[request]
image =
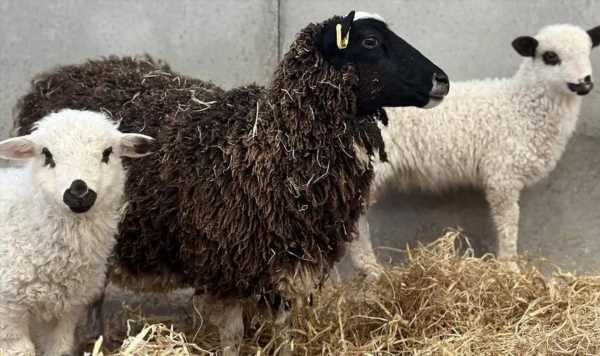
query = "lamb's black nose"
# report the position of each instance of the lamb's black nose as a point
(79, 197)
(78, 188)
(582, 88)
(441, 85)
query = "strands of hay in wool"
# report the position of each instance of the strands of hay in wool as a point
(442, 301)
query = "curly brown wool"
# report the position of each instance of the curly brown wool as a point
(248, 185)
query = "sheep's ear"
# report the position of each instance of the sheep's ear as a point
(335, 39)
(18, 148)
(525, 46)
(135, 145)
(595, 36)
(345, 30)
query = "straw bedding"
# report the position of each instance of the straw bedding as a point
(442, 301)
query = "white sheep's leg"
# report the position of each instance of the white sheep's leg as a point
(504, 204)
(227, 316)
(95, 318)
(361, 251)
(14, 334)
(60, 339)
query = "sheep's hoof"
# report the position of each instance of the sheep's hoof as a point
(371, 274)
(511, 266)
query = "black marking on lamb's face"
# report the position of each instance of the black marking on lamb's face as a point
(551, 58)
(106, 155)
(79, 197)
(595, 36)
(391, 72)
(525, 46)
(49, 160)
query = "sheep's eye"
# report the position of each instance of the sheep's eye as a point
(551, 58)
(106, 154)
(370, 42)
(48, 156)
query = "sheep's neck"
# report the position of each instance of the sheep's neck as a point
(553, 112)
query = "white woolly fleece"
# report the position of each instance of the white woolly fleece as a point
(499, 135)
(53, 261)
(491, 132)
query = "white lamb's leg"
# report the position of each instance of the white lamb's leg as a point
(227, 316)
(361, 251)
(59, 340)
(14, 333)
(504, 204)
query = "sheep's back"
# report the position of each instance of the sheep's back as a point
(195, 214)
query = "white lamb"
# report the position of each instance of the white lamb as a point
(498, 135)
(59, 215)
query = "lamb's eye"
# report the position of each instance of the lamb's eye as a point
(106, 155)
(551, 58)
(49, 160)
(370, 42)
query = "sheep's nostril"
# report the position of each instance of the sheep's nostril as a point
(441, 85)
(78, 188)
(588, 79)
(441, 78)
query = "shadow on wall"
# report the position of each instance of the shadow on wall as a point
(405, 219)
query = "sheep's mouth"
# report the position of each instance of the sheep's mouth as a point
(434, 100)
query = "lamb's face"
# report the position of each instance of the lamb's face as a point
(560, 57)
(76, 159)
(391, 72)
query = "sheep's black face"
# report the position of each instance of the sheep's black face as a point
(391, 72)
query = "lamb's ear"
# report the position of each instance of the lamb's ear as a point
(335, 39)
(525, 46)
(135, 145)
(18, 148)
(595, 36)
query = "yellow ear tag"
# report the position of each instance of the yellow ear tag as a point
(341, 42)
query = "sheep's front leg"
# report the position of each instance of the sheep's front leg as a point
(94, 324)
(361, 251)
(227, 316)
(281, 327)
(60, 340)
(504, 204)
(14, 333)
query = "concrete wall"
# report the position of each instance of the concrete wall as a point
(237, 41)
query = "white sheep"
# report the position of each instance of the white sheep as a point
(59, 216)
(498, 135)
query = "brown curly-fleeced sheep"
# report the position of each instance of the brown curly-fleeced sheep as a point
(248, 185)
(253, 191)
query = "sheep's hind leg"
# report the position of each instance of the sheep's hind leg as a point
(361, 251)
(504, 204)
(14, 335)
(227, 316)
